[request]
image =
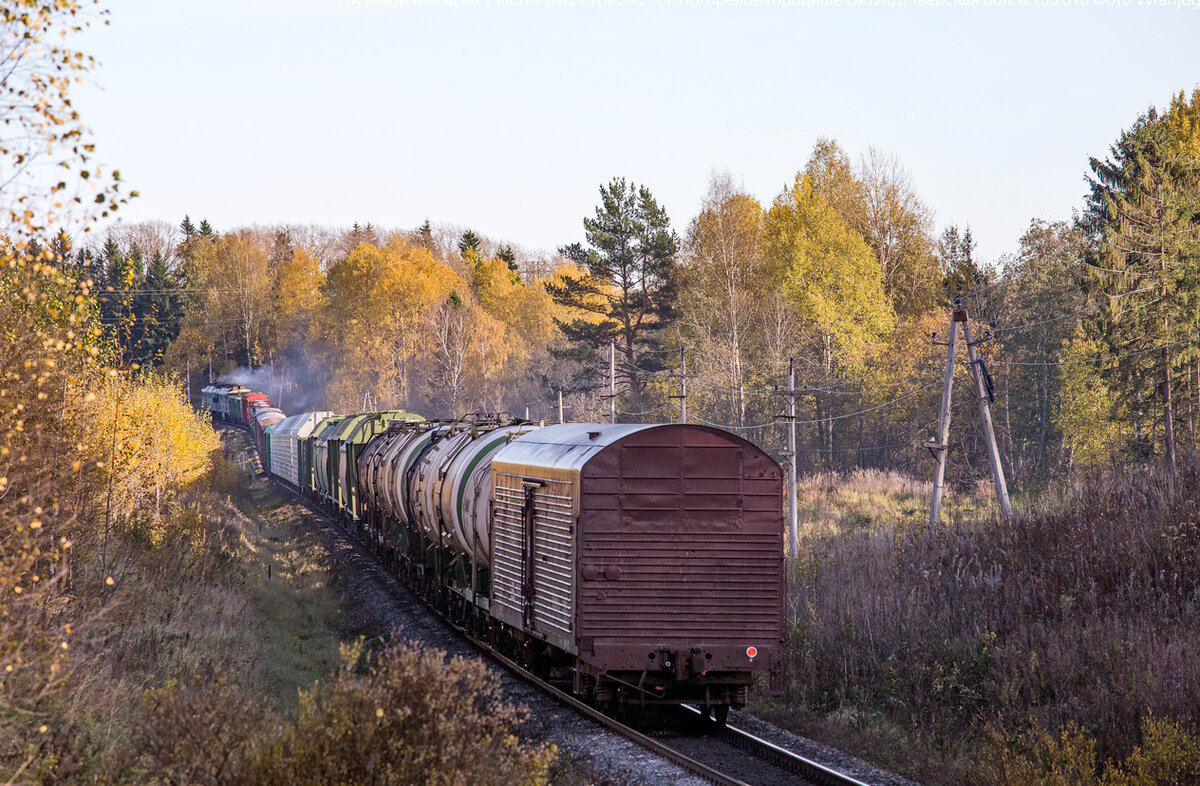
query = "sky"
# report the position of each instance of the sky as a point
(506, 116)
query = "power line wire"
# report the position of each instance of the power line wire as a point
(1091, 360)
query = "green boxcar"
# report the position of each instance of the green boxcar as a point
(266, 447)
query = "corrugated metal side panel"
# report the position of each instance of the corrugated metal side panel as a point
(284, 461)
(682, 536)
(550, 569)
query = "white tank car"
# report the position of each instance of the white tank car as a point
(453, 485)
(383, 465)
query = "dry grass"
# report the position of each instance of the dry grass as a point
(1084, 610)
(872, 500)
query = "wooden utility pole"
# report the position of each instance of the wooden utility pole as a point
(790, 416)
(989, 433)
(940, 445)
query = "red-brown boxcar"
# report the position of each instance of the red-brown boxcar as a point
(652, 554)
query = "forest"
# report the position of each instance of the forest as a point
(1087, 330)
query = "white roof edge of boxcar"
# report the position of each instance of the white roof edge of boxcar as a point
(296, 424)
(566, 446)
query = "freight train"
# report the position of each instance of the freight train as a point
(629, 563)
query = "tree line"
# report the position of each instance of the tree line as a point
(1089, 325)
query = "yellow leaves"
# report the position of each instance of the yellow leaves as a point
(161, 445)
(109, 581)
(376, 314)
(827, 272)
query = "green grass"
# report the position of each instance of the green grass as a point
(296, 614)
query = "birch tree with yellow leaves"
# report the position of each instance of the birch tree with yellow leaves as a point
(374, 320)
(833, 283)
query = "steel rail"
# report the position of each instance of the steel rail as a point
(756, 746)
(562, 697)
(775, 755)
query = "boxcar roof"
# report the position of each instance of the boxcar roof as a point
(301, 425)
(567, 446)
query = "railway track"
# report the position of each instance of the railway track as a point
(775, 765)
(718, 754)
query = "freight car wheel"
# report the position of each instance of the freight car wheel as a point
(721, 714)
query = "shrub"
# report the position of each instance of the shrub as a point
(405, 716)
(1169, 755)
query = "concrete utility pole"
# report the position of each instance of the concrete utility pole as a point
(612, 382)
(189, 381)
(940, 447)
(989, 433)
(560, 414)
(793, 514)
(682, 386)
(790, 416)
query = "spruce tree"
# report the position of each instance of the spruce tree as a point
(629, 281)
(108, 279)
(1143, 219)
(961, 272)
(468, 242)
(508, 257)
(158, 310)
(60, 249)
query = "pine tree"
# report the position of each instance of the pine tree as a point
(206, 229)
(629, 280)
(187, 228)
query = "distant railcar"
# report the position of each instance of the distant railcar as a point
(285, 445)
